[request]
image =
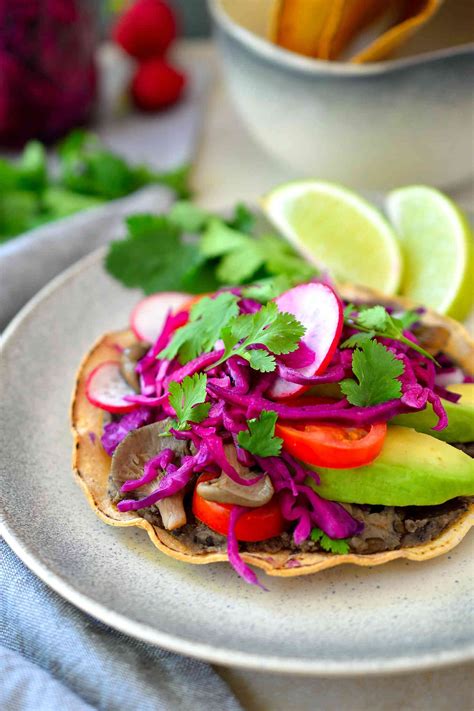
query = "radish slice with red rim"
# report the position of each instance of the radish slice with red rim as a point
(106, 388)
(149, 315)
(319, 309)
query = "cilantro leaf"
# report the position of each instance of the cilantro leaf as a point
(407, 319)
(242, 256)
(268, 289)
(191, 218)
(148, 257)
(87, 166)
(188, 217)
(207, 319)
(243, 219)
(278, 331)
(376, 369)
(378, 322)
(260, 438)
(349, 311)
(357, 339)
(233, 269)
(374, 318)
(32, 167)
(280, 258)
(177, 180)
(261, 360)
(339, 546)
(187, 399)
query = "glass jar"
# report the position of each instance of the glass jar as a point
(48, 75)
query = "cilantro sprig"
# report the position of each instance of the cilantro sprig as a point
(213, 251)
(87, 166)
(268, 289)
(260, 438)
(86, 175)
(207, 319)
(376, 321)
(188, 401)
(377, 371)
(278, 332)
(242, 256)
(339, 546)
(147, 257)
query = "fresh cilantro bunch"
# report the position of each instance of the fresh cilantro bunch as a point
(88, 175)
(209, 252)
(188, 401)
(339, 546)
(155, 257)
(376, 321)
(241, 256)
(377, 371)
(22, 187)
(88, 167)
(260, 438)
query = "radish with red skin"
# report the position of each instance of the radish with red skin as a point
(146, 29)
(320, 310)
(149, 315)
(157, 85)
(106, 388)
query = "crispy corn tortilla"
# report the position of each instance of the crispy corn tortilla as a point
(324, 28)
(92, 465)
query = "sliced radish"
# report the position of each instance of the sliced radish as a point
(319, 309)
(148, 316)
(106, 388)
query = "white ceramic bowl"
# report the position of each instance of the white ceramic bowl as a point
(373, 126)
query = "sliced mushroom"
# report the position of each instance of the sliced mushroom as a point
(129, 460)
(432, 338)
(128, 362)
(172, 511)
(225, 491)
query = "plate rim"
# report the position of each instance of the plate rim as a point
(180, 645)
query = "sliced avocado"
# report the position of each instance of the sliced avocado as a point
(460, 417)
(413, 469)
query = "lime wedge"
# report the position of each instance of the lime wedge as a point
(438, 250)
(337, 230)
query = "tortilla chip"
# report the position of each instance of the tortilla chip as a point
(297, 25)
(323, 29)
(91, 465)
(417, 14)
(320, 28)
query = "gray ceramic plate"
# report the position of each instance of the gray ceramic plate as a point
(401, 616)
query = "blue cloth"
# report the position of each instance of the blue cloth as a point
(53, 656)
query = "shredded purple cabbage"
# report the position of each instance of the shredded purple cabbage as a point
(302, 357)
(332, 375)
(115, 432)
(150, 471)
(233, 554)
(173, 482)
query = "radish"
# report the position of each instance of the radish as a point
(319, 309)
(149, 315)
(106, 388)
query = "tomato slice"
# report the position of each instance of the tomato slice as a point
(255, 525)
(328, 445)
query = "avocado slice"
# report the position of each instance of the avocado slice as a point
(413, 469)
(460, 417)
